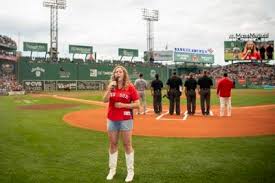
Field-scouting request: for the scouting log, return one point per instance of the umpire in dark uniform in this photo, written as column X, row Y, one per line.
column 156, row 87
column 205, row 84
column 174, row 93
column 190, row 93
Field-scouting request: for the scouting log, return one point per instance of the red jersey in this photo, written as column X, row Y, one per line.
column 253, row 56
column 126, row 96
column 224, row 87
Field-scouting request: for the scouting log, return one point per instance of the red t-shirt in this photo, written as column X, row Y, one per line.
column 126, row 96
column 253, row 56
column 224, row 87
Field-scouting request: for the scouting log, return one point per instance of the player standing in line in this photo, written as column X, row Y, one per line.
column 141, row 86
column 224, row 92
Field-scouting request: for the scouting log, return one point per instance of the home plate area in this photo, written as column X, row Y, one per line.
column 165, row 116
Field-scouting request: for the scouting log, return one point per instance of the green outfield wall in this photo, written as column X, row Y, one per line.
column 37, row 75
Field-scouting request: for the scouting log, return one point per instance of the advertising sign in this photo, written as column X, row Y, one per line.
column 35, row 47
column 77, row 49
column 128, row 52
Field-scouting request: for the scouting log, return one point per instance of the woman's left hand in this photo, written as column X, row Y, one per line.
column 119, row 105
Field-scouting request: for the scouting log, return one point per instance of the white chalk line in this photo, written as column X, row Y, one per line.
column 185, row 116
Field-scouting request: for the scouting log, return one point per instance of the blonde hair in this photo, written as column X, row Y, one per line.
column 126, row 81
column 246, row 45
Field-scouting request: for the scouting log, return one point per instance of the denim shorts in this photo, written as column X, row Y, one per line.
column 123, row 125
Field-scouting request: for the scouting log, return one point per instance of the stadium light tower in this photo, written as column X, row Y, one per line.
column 54, row 5
column 150, row 16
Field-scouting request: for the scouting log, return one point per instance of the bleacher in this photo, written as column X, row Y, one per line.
column 254, row 72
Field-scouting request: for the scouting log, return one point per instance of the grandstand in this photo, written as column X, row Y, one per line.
column 8, row 66
column 44, row 74
column 8, row 49
column 247, row 74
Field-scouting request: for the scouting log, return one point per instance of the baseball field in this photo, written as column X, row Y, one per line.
column 61, row 137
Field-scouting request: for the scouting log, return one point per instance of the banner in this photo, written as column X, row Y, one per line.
column 50, row 85
column 90, row 85
column 161, row 55
column 33, row 85
column 182, row 57
column 191, row 57
column 36, row 47
column 128, row 52
column 194, row 50
column 66, row 85
column 249, row 36
column 16, row 93
column 77, row 49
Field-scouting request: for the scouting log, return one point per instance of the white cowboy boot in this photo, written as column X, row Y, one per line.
column 130, row 166
column 112, row 165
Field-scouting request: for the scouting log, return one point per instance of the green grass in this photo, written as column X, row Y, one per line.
column 240, row 97
column 248, row 97
column 37, row 146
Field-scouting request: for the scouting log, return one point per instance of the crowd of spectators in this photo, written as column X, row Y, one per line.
column 7, row 42
column 7, row 48
column 256, row 73
column 8, row 83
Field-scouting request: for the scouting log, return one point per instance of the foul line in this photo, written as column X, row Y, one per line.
column 167, row 119
column 211, row 113
column 147, row 110
column 104, row 104
column 185, row 116
column 80, row 100
column 158, row 118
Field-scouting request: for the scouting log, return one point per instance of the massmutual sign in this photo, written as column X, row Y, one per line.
column 249, row 36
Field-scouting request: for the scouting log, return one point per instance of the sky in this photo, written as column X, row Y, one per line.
column 108, row 25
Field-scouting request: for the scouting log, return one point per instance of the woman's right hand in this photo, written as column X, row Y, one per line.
column 112, row 85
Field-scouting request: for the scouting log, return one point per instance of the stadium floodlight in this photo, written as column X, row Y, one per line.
column 60, row 4
column 54, row 5
column 150, row 16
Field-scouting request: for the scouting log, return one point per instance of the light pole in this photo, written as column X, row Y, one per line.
column 150, row 16
column 54, row 5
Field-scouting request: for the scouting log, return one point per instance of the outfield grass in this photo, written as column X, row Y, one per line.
column 37, row 146
column 240, row 97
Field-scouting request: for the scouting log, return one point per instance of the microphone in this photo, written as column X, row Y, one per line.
column 116, row 78
column 114, row 84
